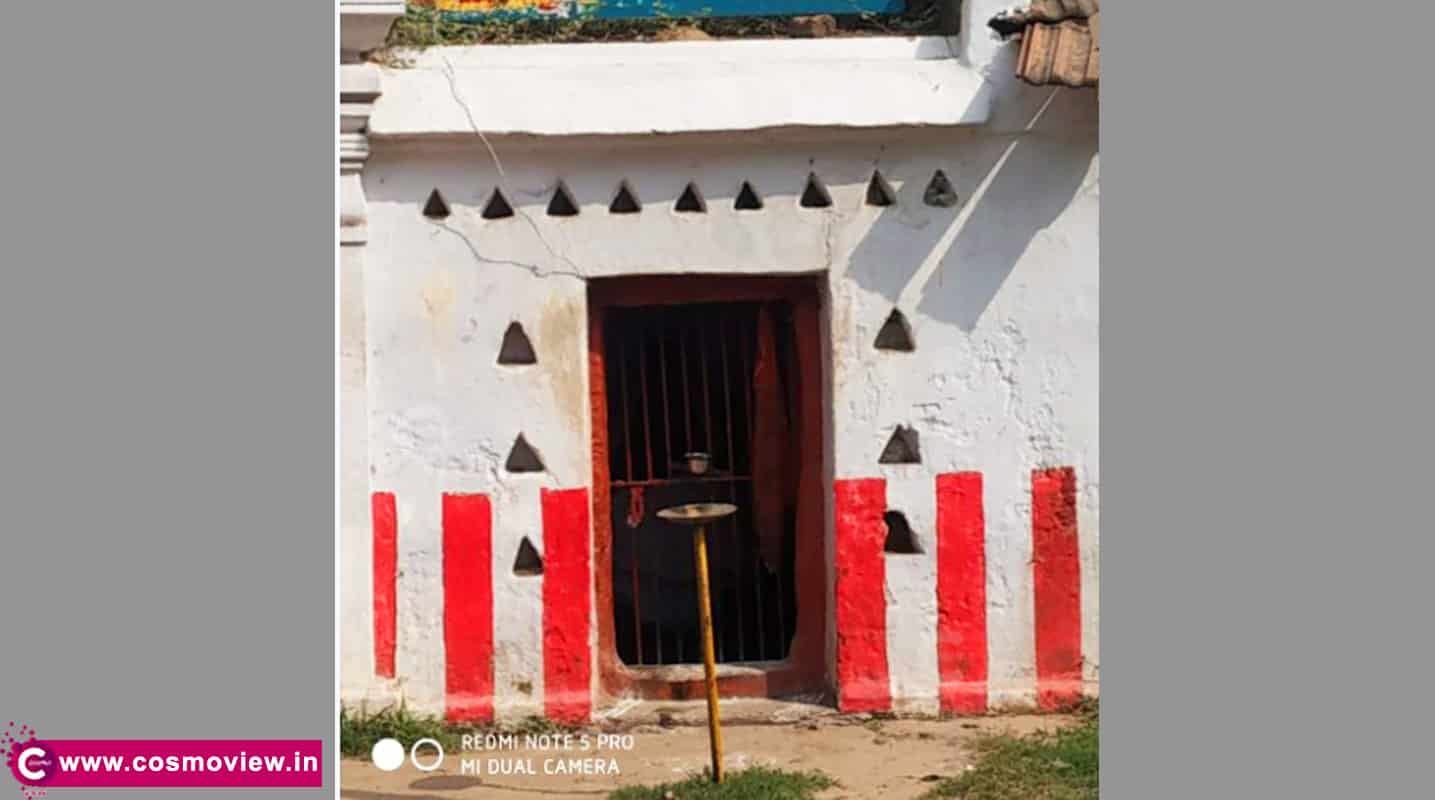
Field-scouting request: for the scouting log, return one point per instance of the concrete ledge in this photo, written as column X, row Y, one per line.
column 680, row 87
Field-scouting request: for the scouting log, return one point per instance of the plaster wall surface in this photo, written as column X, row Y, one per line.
column 1000, row 292
column 355, row 529
column 681, row 87
column 912, row 593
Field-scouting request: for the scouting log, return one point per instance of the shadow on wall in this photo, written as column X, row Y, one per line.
column 969, row 259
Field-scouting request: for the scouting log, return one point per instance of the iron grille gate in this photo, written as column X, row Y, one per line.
column 680, row 379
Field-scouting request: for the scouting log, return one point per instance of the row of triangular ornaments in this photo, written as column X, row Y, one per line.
column 939, row 192
column 895, row 333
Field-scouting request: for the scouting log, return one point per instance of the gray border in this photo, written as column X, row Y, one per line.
column 167, row 341
column 166, row 337
column 1263, row 355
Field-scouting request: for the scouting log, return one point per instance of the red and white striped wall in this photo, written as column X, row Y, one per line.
column 477, row 635
column 914, row 630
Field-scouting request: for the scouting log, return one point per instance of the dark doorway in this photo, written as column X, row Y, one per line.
column 731, row 367
column 714, row 379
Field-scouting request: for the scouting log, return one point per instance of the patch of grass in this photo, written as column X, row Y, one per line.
column 1042, row 766
column 538, row 726
column 757, row 783
column 358, row 732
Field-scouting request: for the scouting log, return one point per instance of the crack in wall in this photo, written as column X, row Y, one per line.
column 533, row 269
column 448, row 74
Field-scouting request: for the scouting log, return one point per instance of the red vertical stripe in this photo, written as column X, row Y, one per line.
column 386, row 556
column 1057, row 578
column 863, row 683
column 567, row 606
column 961, row 593
column 468, row 606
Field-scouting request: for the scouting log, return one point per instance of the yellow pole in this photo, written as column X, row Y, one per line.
column 700, row 552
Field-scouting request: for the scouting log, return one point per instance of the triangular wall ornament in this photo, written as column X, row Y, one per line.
column 624, row 202
column 815, row 195
column 895, row 334
column 691, row 201
column 900, row 537
column 523, row 458
column 940, row 191
column 879, row 191
column 498, row 207
column 747, row 199
column 528, row 561
column 436, row 207
column 562, row 205
column 901, row 448
column 516, row 348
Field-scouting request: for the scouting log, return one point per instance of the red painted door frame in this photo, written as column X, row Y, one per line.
column 805, row 669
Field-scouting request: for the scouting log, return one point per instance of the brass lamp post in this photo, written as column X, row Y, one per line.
column 698, row 516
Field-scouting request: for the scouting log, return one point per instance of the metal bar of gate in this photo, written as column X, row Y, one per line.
column 757, row 564
column 623, row 401
column 647, row 422
column 731, row 522
column 781, row 592
column 687, row 399
column 707, row 393
column 647, row 426
column 667, row 420
column 633, row 567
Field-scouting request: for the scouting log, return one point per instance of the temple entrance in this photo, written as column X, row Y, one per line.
column 705, row 396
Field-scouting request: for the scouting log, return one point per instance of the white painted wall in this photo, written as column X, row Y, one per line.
column 912, row 590
column 356, row 620
column 681, row 87
column 1001, row 292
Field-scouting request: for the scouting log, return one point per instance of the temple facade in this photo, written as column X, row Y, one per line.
column 846, row 284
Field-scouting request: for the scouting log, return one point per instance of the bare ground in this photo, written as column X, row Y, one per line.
column 892, row 759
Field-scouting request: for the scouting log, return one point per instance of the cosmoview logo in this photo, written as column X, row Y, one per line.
column 39, row 766
column 30, row 760
column 388, row 755
column 35, row 762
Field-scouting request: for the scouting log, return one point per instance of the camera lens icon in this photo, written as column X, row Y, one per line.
column 388, row 755
column 437, row 758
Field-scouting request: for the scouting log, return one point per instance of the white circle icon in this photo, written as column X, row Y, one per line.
column 414, row 755
column 388, row 754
